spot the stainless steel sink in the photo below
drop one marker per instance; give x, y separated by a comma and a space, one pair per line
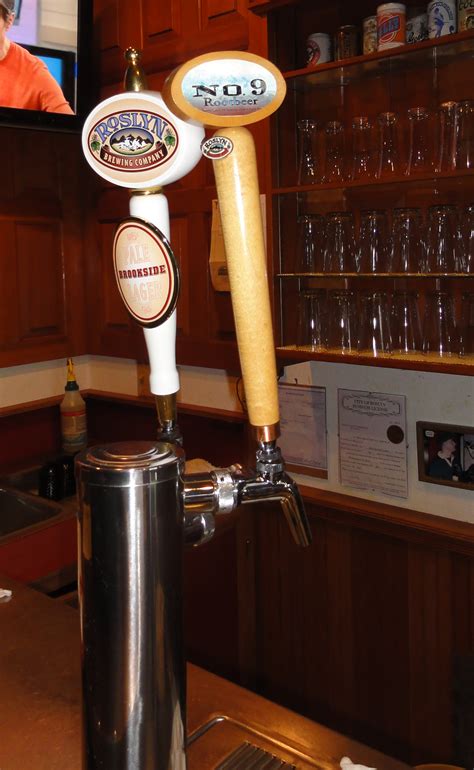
19, 510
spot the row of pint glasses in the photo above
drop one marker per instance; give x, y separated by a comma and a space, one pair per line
404, 242
439, 141
377, 323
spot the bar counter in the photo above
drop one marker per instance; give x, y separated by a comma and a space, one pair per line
40, 702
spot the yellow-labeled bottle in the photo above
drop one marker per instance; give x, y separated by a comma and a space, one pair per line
73, 415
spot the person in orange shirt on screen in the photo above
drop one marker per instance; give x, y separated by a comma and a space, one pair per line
25, 81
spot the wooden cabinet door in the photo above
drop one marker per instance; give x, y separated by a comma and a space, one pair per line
117, 25
112, 331
167, 33
222, 24
41, 316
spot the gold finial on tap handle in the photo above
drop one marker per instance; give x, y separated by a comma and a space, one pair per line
135, 77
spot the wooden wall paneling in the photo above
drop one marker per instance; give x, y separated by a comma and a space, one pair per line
463, 663
246, 595
211, 619
179, 227
74, 188
111, 331
41, 294
222, 25
116, 327
362, 630
341, 693
117, 25
41, 247
379, 575
9, 306
430, 636
166, 28
28, 436
37, 171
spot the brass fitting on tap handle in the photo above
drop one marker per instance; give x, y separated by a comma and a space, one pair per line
166, 410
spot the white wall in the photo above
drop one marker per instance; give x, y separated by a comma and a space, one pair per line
430, 397
199, 387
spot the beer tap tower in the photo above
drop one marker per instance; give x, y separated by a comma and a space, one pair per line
136, 504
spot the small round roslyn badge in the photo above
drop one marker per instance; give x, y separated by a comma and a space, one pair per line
217, 147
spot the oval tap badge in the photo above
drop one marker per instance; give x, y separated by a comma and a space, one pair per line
227, 88
146, 271
133, 140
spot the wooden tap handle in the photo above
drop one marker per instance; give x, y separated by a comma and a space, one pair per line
239, 203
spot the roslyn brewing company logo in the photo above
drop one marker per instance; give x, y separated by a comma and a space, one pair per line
217, 147
133, 141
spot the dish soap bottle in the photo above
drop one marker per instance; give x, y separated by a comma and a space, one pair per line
73, 415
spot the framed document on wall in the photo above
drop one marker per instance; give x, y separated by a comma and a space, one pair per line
303, 438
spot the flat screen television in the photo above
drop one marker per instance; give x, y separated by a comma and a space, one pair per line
59, 33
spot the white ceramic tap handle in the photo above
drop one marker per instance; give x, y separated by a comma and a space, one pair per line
160, 340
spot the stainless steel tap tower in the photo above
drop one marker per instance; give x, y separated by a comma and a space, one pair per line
137, 506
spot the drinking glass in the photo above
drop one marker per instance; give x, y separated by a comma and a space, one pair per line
408, 251
467, 238
341, 321
308, 164
446, 136
374, 335
311, 319
405, 323
465, 134
339, 253
420, 153
439, 327
373, 242
310, 244
388, 150
361, 148
467, 326
334, 152
444, 244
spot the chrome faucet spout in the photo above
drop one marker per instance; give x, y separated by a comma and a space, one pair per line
223, 489
284, 491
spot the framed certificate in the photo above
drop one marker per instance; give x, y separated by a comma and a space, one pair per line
303, 438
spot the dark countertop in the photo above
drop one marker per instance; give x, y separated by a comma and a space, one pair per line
40, 702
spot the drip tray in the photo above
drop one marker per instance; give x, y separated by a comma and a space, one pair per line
224, 744
249, 755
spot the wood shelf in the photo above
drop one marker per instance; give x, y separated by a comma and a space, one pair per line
431, 178
462, 43
332, 276
291, 354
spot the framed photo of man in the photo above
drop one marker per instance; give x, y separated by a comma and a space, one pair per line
446, 454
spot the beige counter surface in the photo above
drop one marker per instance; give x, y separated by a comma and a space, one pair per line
40, 702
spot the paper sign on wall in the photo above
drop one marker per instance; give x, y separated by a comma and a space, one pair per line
372, 442
303, 428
